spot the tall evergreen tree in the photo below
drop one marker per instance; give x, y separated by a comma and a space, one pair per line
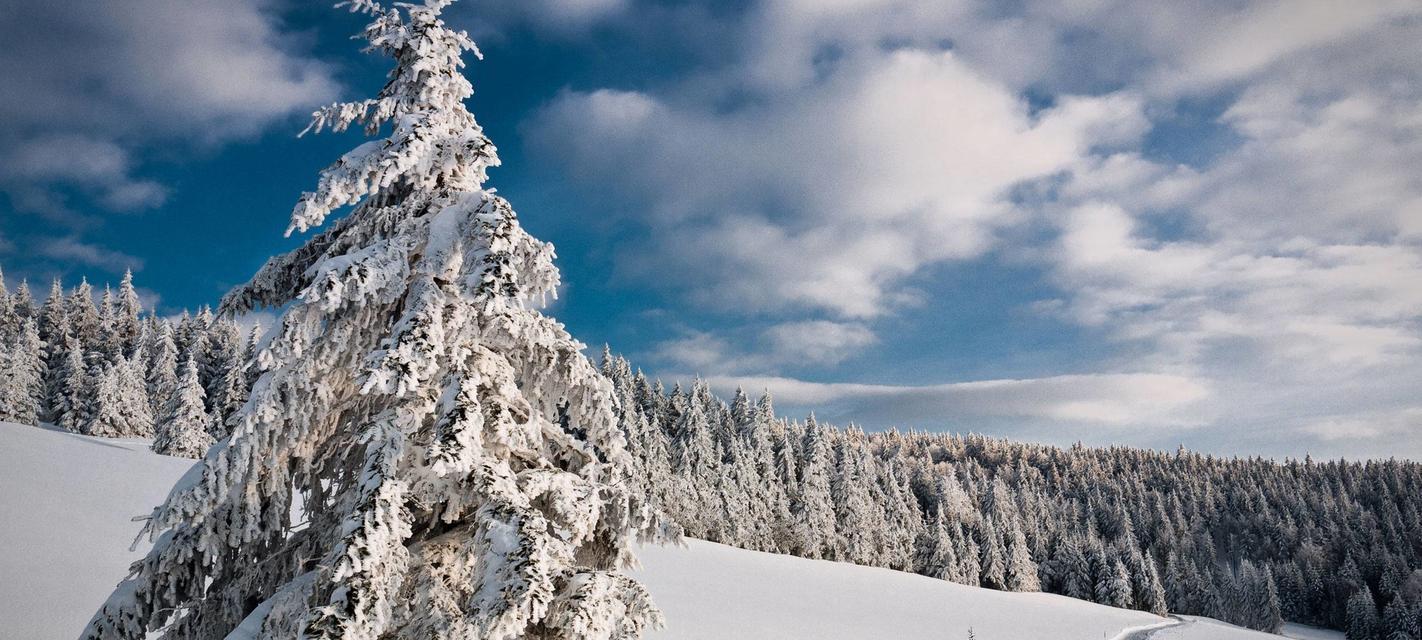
84, 316
22, 372
1362, 616
162, 375
69, 406
454, 452
182, 428
128, 311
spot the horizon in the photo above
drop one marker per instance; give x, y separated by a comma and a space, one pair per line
892, 214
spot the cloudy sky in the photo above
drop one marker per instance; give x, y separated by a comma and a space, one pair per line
1098, 220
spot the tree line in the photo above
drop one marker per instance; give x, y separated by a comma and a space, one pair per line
1250, 541
109, 369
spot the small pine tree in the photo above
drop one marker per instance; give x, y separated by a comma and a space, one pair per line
183, 425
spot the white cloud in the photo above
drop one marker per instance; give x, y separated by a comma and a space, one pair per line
840, 154
1112, 400
817, 342
826, 199
100, 166
205, 69
787, 344
1405, 423
92, 88
77, 251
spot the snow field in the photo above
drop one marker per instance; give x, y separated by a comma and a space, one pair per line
68, 500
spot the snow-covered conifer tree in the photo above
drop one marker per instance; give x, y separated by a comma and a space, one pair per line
162, 375
22, 304
83, 316
128, 309
69, 407
1362, 615
814, 511
50, 316
119, 405
455, 454
22, 372
9, 320
182, 428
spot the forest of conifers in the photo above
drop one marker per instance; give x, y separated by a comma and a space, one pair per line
1250, 541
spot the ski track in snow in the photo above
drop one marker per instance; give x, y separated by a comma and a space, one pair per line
1148, 631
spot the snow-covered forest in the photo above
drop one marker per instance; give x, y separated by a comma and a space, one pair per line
108, 368
1249, 541
415, 450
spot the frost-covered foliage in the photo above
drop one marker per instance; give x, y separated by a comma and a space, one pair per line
456, 458
183, 424
119, 406
22, 372
1251, 542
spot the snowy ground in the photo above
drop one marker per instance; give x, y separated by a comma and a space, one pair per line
66, 504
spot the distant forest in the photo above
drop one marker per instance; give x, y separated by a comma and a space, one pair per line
1250, 541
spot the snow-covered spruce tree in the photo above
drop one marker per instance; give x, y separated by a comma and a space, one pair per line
22, 375
455, 454
68, 401
182, 428
118, 407
162, 375
126, 324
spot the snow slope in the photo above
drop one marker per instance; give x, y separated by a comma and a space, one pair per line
67, 502
66, 507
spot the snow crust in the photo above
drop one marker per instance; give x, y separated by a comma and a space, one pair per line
67, 503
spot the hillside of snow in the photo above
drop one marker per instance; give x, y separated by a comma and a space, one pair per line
67, 503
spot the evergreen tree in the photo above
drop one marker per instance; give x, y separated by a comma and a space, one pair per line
1362, 615
182, 428
9, 320
1399, 620
51, 317
83, 316
162, 375
1113, 588
814, 513
455, 454
1021, 570
119, 406
22, 372
69, 405
22, 304
128, 309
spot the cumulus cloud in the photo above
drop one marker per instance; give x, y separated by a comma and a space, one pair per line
826, 199
206, 69
844, 150
91, 87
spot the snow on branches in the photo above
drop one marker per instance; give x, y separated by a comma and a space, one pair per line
424, 454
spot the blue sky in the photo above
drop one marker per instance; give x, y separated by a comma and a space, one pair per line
1097, 220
